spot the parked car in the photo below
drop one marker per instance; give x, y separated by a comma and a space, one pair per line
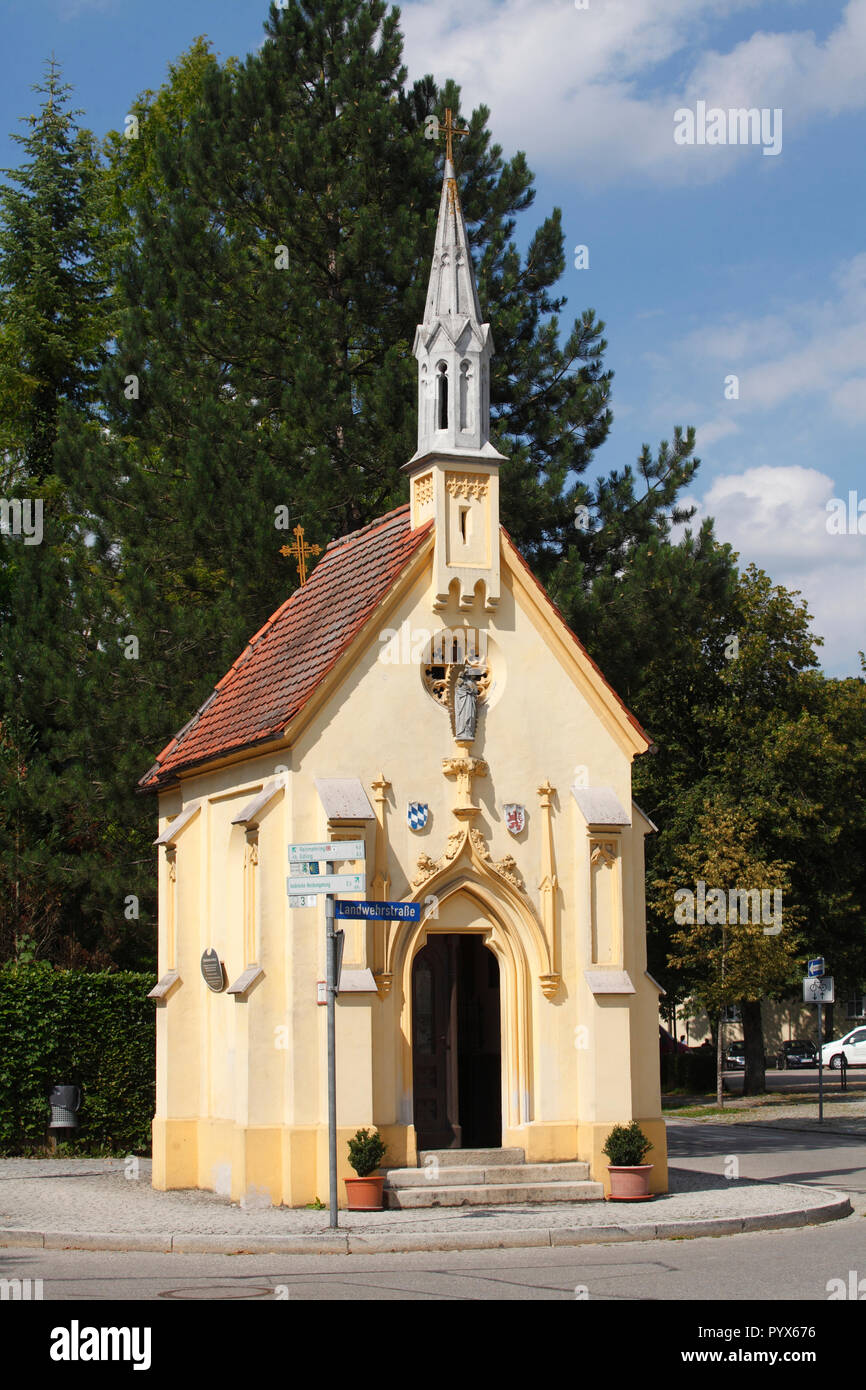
735, 1056
852, 1047
797, 1054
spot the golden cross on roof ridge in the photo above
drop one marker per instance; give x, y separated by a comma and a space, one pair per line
450, 131
299, 552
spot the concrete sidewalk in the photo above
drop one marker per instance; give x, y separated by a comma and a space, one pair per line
108, 1204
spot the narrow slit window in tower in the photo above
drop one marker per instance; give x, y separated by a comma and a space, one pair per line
442, 397
465, 398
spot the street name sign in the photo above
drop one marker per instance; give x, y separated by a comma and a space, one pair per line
380, 912
326, 883
326, 851
817, 991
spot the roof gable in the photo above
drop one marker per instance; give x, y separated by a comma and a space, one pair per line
574, 654
289, 658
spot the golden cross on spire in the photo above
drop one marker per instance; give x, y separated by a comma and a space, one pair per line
299, 552
450, 131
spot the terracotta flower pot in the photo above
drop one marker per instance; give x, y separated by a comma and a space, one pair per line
365, 1194
630, 1184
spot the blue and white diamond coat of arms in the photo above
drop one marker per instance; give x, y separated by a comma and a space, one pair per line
417, 814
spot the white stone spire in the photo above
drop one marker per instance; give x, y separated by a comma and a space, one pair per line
454, 475
453, 347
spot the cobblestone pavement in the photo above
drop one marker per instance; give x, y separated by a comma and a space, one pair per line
93, 1198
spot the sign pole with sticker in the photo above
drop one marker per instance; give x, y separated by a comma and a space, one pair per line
331, 989
326, 885
819, 988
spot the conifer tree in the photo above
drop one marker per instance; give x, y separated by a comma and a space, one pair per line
53, 321
51, 315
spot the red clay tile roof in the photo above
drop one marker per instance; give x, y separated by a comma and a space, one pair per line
280, 668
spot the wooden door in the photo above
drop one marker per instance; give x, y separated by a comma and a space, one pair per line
479, 1045
434, 1051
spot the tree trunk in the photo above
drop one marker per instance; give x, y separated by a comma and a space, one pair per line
720, 1064
754, 1081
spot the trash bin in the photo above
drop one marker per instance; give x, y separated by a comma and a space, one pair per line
65, 1102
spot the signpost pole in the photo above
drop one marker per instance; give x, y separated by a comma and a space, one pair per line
331, 990
820, 1065
326, 885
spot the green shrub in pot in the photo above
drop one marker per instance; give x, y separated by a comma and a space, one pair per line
366, 1152
626, 1146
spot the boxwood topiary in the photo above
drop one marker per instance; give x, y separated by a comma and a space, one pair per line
626, 1146
366, 1152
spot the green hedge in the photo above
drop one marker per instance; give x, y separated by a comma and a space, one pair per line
72, 1027
694, 1072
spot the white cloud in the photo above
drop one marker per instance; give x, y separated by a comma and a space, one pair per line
849, 400
777, 517
792, 70
579, 88
713, 431
807, 349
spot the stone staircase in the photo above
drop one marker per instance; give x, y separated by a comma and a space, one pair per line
486, 1178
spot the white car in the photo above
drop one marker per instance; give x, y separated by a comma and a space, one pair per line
852, 1046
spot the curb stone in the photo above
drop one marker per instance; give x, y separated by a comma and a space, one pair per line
194, 1244
471, 1240
814, 1128
108, 1240
354, 1243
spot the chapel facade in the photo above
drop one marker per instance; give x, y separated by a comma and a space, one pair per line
420, 692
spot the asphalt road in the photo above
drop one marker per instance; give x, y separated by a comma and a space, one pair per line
762, 1266
763, 1151
805, 1081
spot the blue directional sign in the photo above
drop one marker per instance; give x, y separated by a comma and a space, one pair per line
816, 967
379, 912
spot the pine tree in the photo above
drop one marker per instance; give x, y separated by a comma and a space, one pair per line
53, 318
52, 332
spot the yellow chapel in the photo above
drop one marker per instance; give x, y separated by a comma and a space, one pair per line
422, 694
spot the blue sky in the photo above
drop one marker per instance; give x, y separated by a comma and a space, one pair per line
706, 261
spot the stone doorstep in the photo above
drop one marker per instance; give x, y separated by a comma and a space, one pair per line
464, 1176
472, 1158
486, 1178
492, 1194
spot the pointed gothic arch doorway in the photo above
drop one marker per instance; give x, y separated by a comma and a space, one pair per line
456, 1043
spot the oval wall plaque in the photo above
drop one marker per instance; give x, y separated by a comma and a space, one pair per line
212, 970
